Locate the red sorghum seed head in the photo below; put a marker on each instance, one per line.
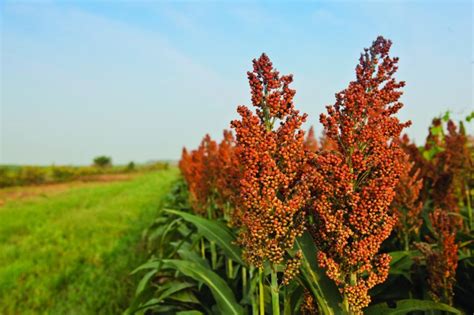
(354, 183)
(272, 159)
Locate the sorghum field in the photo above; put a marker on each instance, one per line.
(271, 220)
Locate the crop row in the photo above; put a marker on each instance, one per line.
(273, 221)
(37, 175)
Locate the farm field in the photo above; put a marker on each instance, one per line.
(236, 158)
(71, 252)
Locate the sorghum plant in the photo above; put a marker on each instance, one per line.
(212, 174)
(310, 142)
(209, 172)
(442, 259)
(442, 191)
(458, 157)
(447, 168)
(406, 204)
(426, 170)
(227, 175)
(199, 171)
(327, 144)
(354, 185)
(272, 194)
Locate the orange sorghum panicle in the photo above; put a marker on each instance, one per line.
(454, 168)
(446, 166)
(227, 174)
(406, 204)
(199, 171)
(292, 268)
(327, 144)
(212, 174)
(309, 306)
(354, 184)
(310, 142)
(272, 194)
(441, 261)
(447, 171)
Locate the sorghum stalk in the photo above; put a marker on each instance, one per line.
(253, 293)
(406, 243)
(275, 293)
(244, 280)
(203, 249)
(345, 305)
(213, 254)
(230, 268)
(469, 207)
(345, 298)
(261, 296)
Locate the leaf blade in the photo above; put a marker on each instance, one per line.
(409, 305)
(214, 231)
(322, 288)
(220, 290)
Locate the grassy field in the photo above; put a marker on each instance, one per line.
(71, 253)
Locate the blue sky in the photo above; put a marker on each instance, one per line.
(138, 80)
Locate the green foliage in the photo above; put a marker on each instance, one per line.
(324, 290)
(432, 152)
(439, 132)
(157, 166)
(72, 254)
(7, 177)
(130, 166)
(223, 295)
(408, 306)
(446, 116)
(36, 175)
(180, 246)
(31, 175)
(470, 117)
(103, 161)
(63, 173)
(86, 171)
(176, 241)
(214, 231)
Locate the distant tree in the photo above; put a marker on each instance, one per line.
(131, 166)
(103, 161)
